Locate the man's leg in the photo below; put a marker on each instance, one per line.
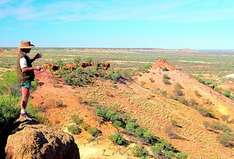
(24, 100)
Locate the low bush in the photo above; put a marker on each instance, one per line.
(165, 69)
(118, 139)
(94, 132)
(180, 99)
(114, 76)
(60, 63)
(208, 82)
(227, 93)
(76, 119)
(164, 149)
(166, 79)
(158, 149)
(227, 139)
(218, 126)
(149, 137)
(77, 78)
(85, 76)
(205, 112)
(139, 151)
(146, 67)
(181, 155)
(74, 129)
(133, 127)
(110, 115)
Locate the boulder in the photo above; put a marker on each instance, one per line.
(40, 142)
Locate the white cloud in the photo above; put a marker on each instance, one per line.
(116, 10)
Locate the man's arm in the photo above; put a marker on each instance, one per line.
(30, 69)
(27, 69)
(37, 56)
(32, 60)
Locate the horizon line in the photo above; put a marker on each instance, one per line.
(147, 48)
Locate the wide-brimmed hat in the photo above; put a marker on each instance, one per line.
(26, 45)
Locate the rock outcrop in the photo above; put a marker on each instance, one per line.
(162, 63)
(40, 142)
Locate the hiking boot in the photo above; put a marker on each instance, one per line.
(25, 116)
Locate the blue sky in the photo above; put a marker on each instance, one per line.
(197, 24)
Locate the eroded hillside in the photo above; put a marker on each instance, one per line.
(168, 102)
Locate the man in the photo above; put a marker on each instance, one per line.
(26, 74)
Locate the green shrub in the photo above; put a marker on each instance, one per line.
(110, 115)
(79, 77)
(74, 129)
(181, 155)
(208, 82)
(94, 132)
(139, 151)
(139, 132)
(114, 76)
(131, 126)
(119, 123)
(227, 93)
(149, 138)
(227, 139)
(60, 63)
(169, 154)
(146, 67)
(9, 111)
(167, 146)
(166, 150)
(118, 139)
(157, 149)
(76, 119)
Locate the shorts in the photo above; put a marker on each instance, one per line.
(26, 84)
